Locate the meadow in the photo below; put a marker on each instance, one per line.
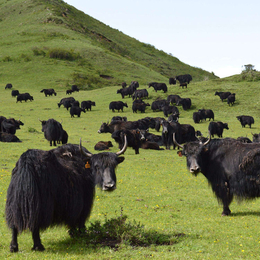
(154, 190)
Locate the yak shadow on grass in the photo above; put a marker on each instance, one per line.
(247, 213)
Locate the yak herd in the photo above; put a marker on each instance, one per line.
(62, 181)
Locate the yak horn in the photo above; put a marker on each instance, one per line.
(175, 142)
(83, 152)
(124, 148)
(39, 120)
(208, 139)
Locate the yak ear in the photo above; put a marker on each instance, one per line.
(120, 159)
(179, 153)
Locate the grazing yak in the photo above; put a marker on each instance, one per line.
(222, 95)
(139, 106)
(185, 103)
(24, 97)
(67, 100)
(8, 86)
(206, 113)
(158, 104)
(57, 187)
(173, 99)
(231, 167)
(158, 86)
(117, 105)
(15, 93)
(48, 92)
(87, 104)
(246, 120)
(75, 110)
(216, 128)
(140, 93)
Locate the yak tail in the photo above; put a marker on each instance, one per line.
(23, 195)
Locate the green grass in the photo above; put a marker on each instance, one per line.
(154, 189)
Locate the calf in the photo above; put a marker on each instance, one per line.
(101, 145)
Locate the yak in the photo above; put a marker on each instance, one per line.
(117, 105)
(87, 104)
(158, 86)
(102, 145)
(9, 138)
(53, 130)
(48, 92)
(246, 120)
(15, 93)
(24, 96)
(217, 128)
(231, 167)
(57, 187)
(64, 100)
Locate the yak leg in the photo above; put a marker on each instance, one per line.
(14, 244)
(37, 245)
(227, 198)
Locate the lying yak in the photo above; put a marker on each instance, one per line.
(57, 187)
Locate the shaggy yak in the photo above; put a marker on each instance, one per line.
(57, 187)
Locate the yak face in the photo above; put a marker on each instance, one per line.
(165, 126)
(103, 128)
(192, 152)
(103, 167)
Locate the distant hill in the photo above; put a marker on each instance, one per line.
(51, 43)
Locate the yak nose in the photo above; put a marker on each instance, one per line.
(195, 169)
(109, 186)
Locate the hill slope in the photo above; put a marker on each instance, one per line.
(60, 45)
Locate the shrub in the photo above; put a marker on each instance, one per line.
(63, 54)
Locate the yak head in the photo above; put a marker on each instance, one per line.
(103, 166)
(192, 152)
(104, 128)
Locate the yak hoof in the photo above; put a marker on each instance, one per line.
(38, 248)
(14, 248)
(226, 213)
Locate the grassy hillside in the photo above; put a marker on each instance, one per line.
(61, 46)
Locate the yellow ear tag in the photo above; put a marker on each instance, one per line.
(87, 165)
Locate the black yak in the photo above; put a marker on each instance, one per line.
(53, 130)
(246, 120)
(231, 167)
(56, 187)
